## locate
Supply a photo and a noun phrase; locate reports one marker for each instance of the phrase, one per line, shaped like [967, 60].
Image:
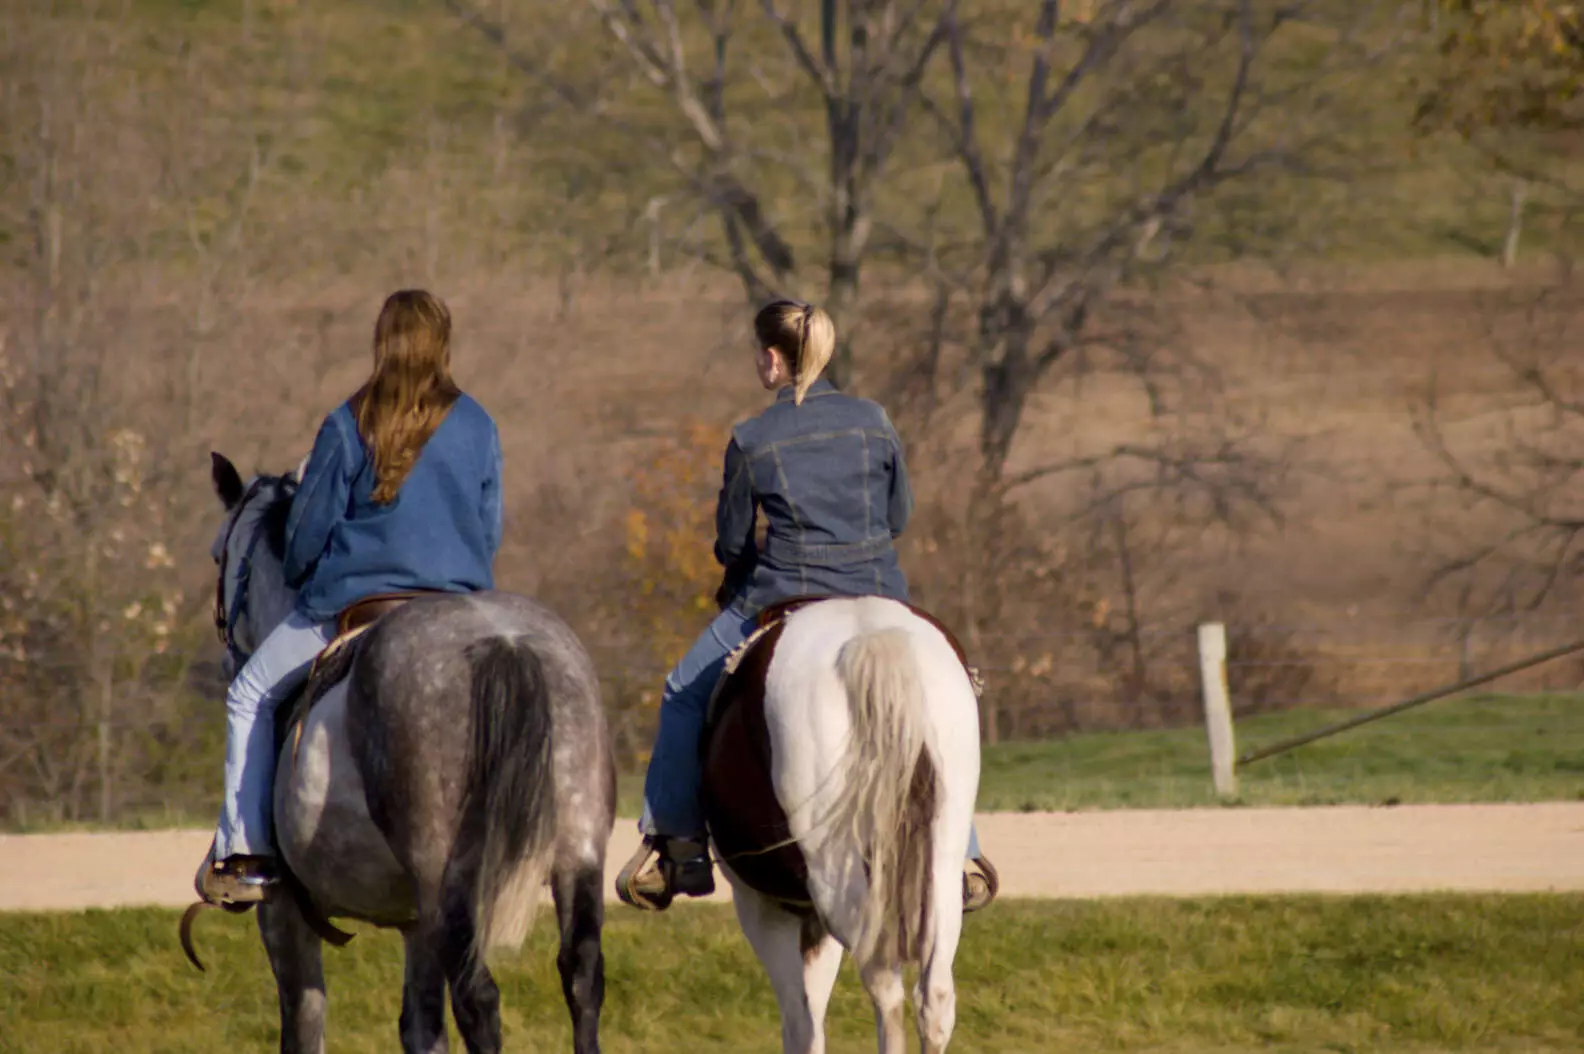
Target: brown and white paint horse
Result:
[841, 770]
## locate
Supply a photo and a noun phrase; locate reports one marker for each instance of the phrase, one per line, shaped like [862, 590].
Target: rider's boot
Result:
[664, 868]
[981, 883]
[237, 882]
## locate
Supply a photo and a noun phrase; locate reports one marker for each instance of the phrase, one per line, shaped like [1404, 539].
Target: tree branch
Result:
[823, 76]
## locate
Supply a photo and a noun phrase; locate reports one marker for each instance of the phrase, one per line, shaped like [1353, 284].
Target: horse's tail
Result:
[890, 788]
[503, 844]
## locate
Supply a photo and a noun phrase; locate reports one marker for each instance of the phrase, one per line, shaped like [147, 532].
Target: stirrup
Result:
[236, 883]
[981, 883]
[651, 879]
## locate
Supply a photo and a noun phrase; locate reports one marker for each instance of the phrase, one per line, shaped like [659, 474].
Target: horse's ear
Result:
[227, 480]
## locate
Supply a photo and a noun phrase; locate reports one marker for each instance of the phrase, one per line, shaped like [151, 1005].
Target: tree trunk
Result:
[839, 302]
[1520, 195]
[989, 714]
[103, 746]
[1008, 379]
[849, 233]
[1133, 636]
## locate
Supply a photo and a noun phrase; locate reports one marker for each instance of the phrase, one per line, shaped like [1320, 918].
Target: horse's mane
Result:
[274, 513]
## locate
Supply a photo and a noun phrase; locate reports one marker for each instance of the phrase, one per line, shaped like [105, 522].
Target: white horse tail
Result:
[890, 788]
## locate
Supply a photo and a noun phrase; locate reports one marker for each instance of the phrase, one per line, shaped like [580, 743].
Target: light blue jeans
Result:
[671, 786]
[278, 668]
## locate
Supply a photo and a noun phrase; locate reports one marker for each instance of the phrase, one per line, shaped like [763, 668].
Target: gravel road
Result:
[1344, 849]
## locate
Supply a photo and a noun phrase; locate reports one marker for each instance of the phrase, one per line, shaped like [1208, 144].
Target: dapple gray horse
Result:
[461, 763]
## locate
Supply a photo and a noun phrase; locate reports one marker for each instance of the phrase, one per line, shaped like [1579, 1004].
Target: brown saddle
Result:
[746, 821]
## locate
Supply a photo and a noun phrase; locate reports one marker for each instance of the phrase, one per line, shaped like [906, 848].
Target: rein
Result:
[225, 619]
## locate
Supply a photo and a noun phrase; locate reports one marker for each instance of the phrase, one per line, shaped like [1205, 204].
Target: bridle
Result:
[225, 619]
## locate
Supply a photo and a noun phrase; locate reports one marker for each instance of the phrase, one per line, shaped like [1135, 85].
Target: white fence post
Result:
[1218, 707]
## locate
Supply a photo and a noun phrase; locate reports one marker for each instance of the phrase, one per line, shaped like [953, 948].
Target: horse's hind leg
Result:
[882, 979]
[423, 991]
[295, 957]
[935, 996]
[802, 960]
[475, 999]
[580, 913]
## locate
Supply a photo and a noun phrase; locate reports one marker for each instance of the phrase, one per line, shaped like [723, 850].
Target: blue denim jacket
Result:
[830, 479]
[440, 532]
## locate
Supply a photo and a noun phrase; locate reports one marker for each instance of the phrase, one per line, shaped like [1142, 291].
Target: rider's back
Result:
[829, 477]
[440, 531]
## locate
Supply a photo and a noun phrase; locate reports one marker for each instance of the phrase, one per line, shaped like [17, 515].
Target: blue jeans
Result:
[671, 786]
[279, 666]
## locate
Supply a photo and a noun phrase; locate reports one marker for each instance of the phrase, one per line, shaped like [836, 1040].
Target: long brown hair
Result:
[805, 336]
[411, 390]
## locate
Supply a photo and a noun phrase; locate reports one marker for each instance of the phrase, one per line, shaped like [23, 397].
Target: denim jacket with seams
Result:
[831, 482]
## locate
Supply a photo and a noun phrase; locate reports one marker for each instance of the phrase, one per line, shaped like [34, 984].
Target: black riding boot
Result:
[664, 868]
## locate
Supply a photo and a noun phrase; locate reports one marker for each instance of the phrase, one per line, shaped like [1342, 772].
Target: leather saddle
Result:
[746, 822]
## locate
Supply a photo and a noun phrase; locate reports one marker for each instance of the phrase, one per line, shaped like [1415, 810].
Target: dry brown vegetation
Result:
[199, 226]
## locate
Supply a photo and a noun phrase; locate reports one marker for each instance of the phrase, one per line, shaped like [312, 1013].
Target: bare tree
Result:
[1507, 507]
[1133, 117]
[1098, 148]
[102, 388]
[736, 146]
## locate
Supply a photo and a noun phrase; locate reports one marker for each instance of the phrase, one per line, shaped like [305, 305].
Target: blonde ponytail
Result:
[806, 337]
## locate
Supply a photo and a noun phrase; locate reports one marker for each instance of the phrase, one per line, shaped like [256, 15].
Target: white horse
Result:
[841, 772]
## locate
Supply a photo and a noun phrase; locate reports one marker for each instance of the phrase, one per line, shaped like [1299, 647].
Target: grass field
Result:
[1284, 974]
[1481, 749]
[347, 133]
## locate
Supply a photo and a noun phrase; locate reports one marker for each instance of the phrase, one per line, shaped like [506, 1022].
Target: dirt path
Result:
[1346, 849]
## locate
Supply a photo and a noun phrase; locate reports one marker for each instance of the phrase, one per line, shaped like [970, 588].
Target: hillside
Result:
[203, 204]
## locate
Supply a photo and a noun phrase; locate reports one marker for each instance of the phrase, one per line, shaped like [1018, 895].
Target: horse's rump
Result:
[435, 718]
[492, 740]
[747, 821]
[773, 614]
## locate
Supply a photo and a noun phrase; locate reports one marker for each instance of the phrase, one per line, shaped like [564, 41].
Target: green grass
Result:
[1444, 973]
[1487, 748]
[1480, 749]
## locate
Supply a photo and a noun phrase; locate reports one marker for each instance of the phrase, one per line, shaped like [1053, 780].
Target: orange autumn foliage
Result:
[669, 539]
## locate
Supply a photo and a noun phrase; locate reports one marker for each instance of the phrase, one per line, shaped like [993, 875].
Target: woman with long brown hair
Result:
[401, 493]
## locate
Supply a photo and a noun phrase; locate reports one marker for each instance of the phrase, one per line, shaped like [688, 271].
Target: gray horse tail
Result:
[504, 841]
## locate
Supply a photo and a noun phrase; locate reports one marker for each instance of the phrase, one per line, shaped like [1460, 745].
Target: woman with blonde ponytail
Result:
[826, 472]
